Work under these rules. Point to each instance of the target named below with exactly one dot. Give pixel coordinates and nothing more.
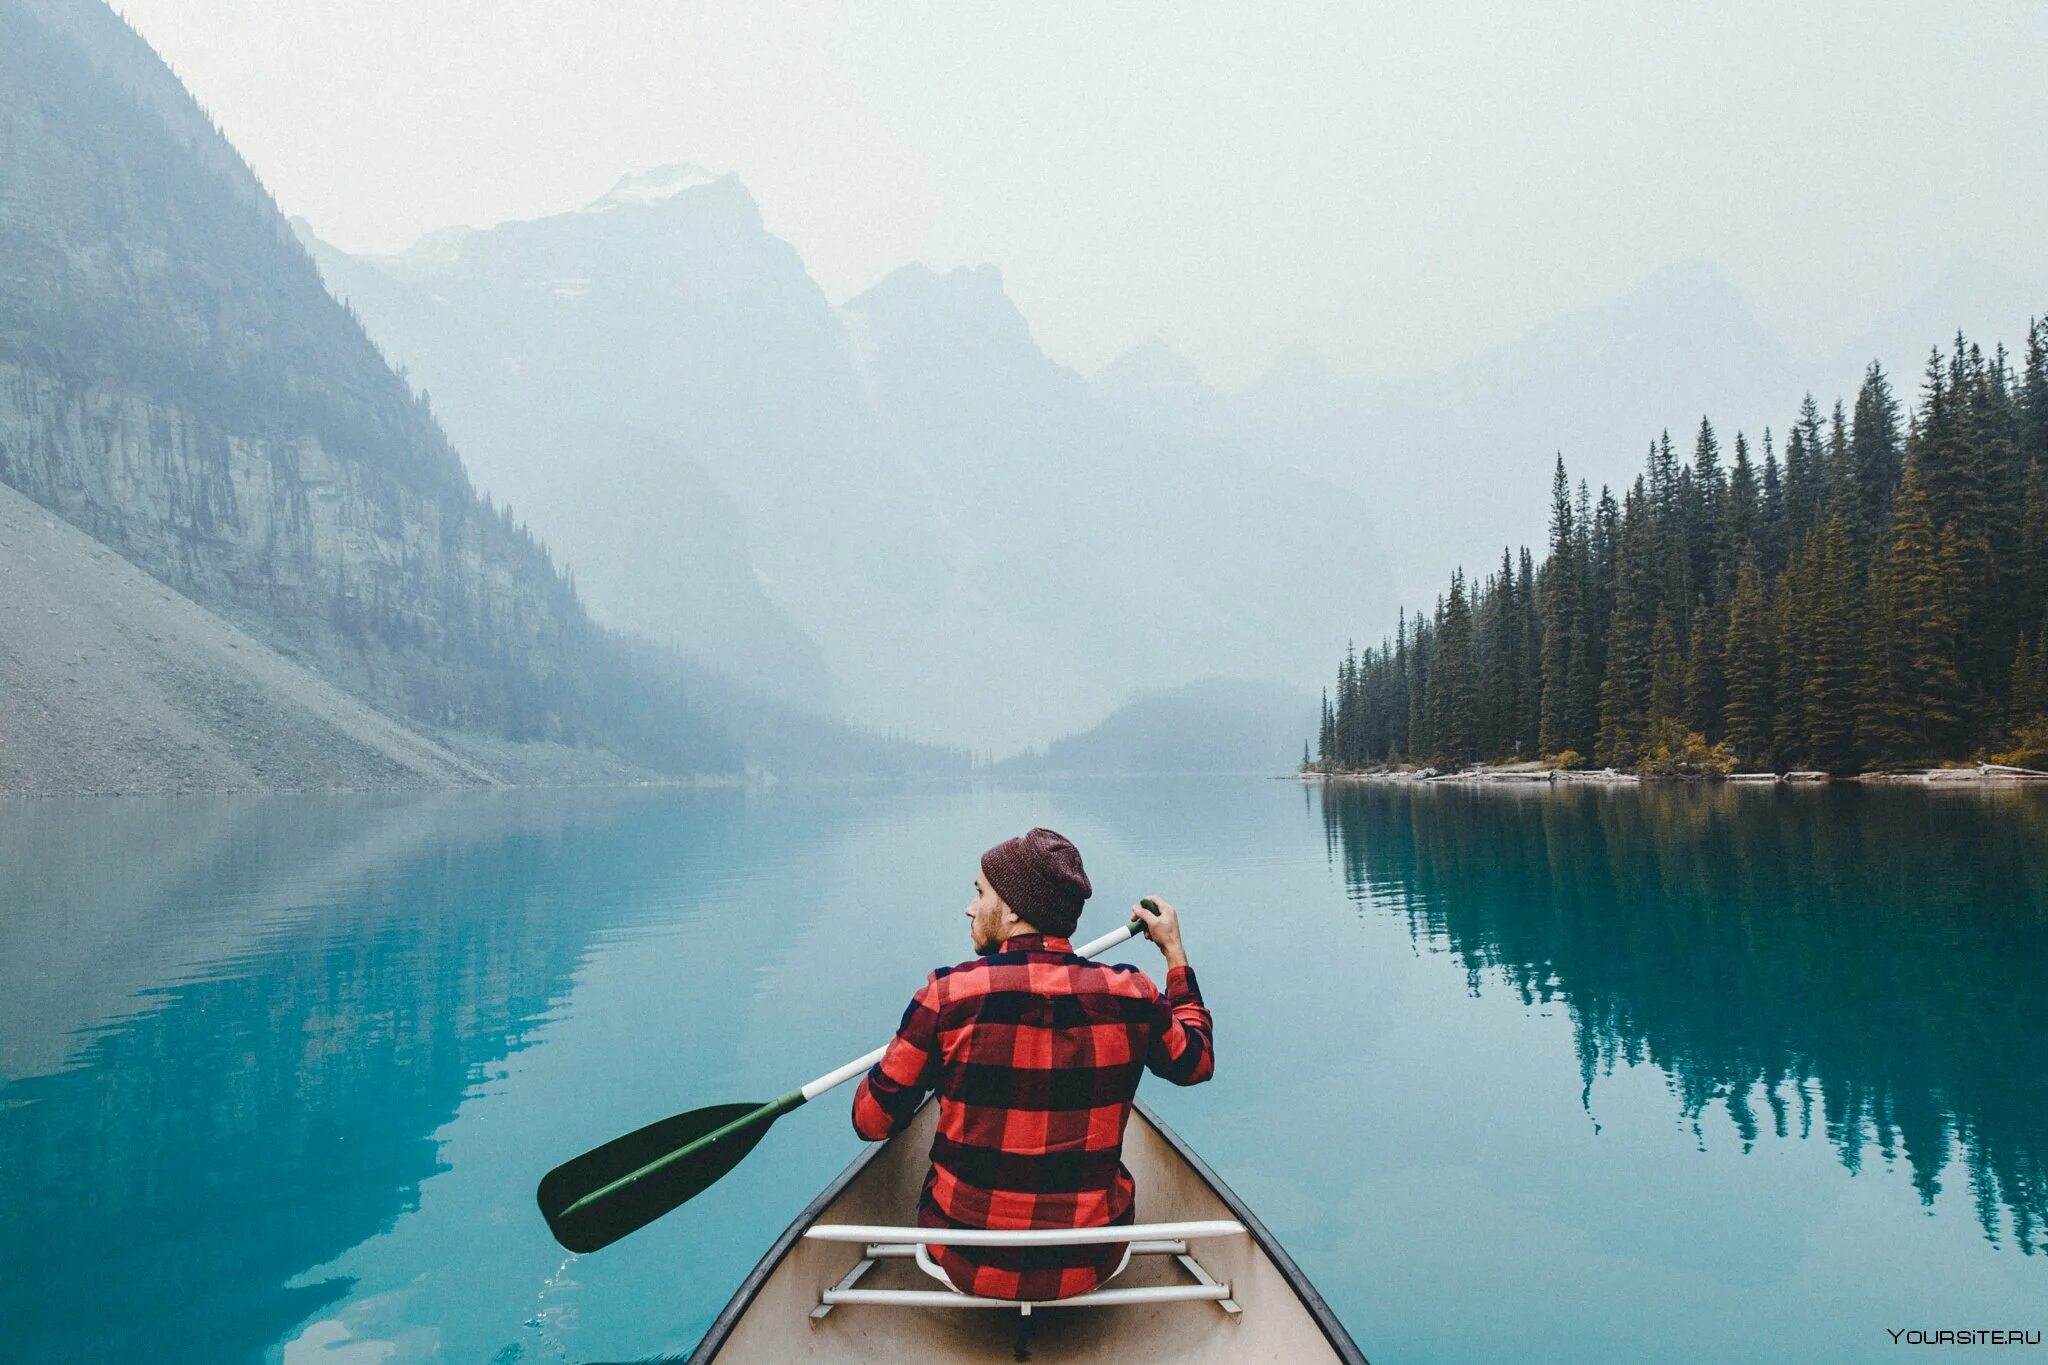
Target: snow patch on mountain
(653, 187)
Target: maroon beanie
(1040, 877)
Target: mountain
(176, 381)
(1454, 459)
(654, 543)
(661, 374)
(1157, 390)
(984, 548)
(1980, 298)
(1213, 725)
(1116, 554)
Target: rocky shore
(1537, 775)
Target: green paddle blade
(677, 1158)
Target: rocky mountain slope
(111, 682)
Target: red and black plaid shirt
(1035, 1053)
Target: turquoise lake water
(1581, 1076)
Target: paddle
(609, 1191)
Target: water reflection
(349, 969)
(1867, 965)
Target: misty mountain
(176, 381)
(1453, 460)
(1977, 297)
(984, 549)
(1212, 725)
(654, 543)
(1123, 557)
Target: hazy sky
(1400, 185)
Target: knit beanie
(1040, 877)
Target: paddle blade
(634, 1206)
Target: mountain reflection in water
(1869, 964)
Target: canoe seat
(1146, 1239)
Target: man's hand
(1163, 928)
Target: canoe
(841, 1283)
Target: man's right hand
(1163, 928)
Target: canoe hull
(1284, 1319)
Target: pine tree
(1805, 478)
(1834, 639)
(1772, 543)
(1839, 474)
(2033, 550)
(1789, 730)
(1667, 685)
(1911, 693)
(1625, 681)
(2033, 395)
(1529, 690)
(1707, 629)
(1562, 650)
(1453, 691)
(1742, 523)
(1876, 458)
(1751, 667)
(1702, 515)
(1500, 633)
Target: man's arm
(895, 1086)
(1184, 1039)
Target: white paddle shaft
(840, 1075)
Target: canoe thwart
(1027, 1237)
(893, 1251)
(1100, 1298)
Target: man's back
(1035, 1054)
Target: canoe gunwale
(1311, 1298)
(1312, 1301)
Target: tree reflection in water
(1869, 964)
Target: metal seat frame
(1146, 1239)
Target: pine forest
(1877, 598)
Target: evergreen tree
(1562, 650)
(1500, 669)
(1742, 524)
(1794, 595)
(2033, 397)
(2032, 592)
(1667, 685)
(1876, 458)
(1454, 709)
(1912, 692)
(1839, 473)
(1625, 681)
(1704, 695)
(1702, 515)
(1751, 655)
(1805, 478)
(1399, 680)
(1529, 692)
(1835, 648)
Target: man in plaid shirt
(1035, 1053)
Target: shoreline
(1524, 775)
